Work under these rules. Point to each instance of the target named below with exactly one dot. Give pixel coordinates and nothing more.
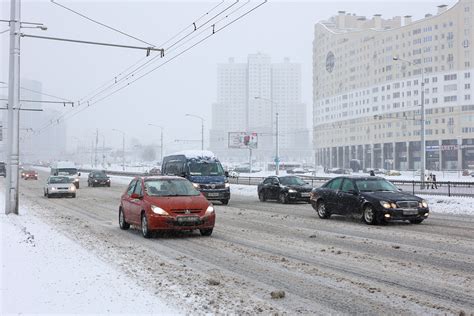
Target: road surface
(323, 266)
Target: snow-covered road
(323, 266)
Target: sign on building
(243, 140)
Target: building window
(467, 86)
(467, 97)
(450, 98)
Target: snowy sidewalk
(45, 272)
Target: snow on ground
(438, 204)
(45, 272)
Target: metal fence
(448, 188)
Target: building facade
(367, 104)
(277, 87)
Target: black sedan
(284, 189)
(97, 178)
(374, 199)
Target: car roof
(357, 177)
(147, 178)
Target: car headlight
(108, 180)
(424, 204)
(53, 189)
(291, 191)
(72, 188)
(159, 210)
(385, 204)
(196, 185)
(95, 180)
(210, 210)
(227, 185)
(76, 180)
(393, 205)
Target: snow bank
(437, 204)
(45, 272)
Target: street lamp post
(161, 139)
(422, 123)
(123, 147)
(202, 128)
(277, 134)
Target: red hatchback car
(165, 203)
(30, 174)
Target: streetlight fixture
(277, 142)
(123, 147)
(202, 128)
(422, 132)
(161, 131)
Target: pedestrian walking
(428, 181)
(372, 173)
(434, 184)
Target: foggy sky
(185, 85)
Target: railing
(448, 188)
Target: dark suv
(98, 178)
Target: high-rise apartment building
(248, 97)
(366, 104)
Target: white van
(66, 168)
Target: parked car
(296, 171)
(30, 174)
(284, 189)
(339, 171)
(154, 171)
(375, 199)
(98, 178)
(60, 186)
(3, 169)
(165, 203)
(393, 173)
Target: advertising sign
(243, 140)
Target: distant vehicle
(3, 169)
(98, 178)
(154, 172)
(296, 171)
(68, 169)
(233, 174)
(30, 174)
(165, 203)
(355, 165)
(376, 170)
(393, 173)
(59, 186)
(203, 169)
(466, 172)
(339, 171)
(284, 189)
(246, 169)
(375, 199)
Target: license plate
(410, 212)
(305, 194)
(188, 219)
(212, 194)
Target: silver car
(60, 186)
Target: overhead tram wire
(102, 24)
(115, 81)
(42, 93)
(162, 64)
(153, 59)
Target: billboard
(243, 140)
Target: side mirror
(353, 192)
(135, 196)
(226, 173)
(79, 174)
(400, 189)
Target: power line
(160, 65)
(42, 93)
(100, 23)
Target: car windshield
(205, 169)
(99, 175)
(67, 171)
(291, 181)
(59, 180)
(170, 187)
(372, 185)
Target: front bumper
(61, 192)
(299, 196)
(221, 194)
(404, 214)
(157, 222)
(101, 182)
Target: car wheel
(369, 215)
(122, 223)
(145, 231)
(322, 211)
(283, 198)
(108, 184)
(44, 193)
(206, 232)
(77, 185)
(73, 195)
(88, 184)
(225, 202)
(262, 197)
(416, 221)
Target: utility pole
(123, 147)
(161, 137)
(96, 147)
(277, 143)
(202, 128)
(11, 187)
